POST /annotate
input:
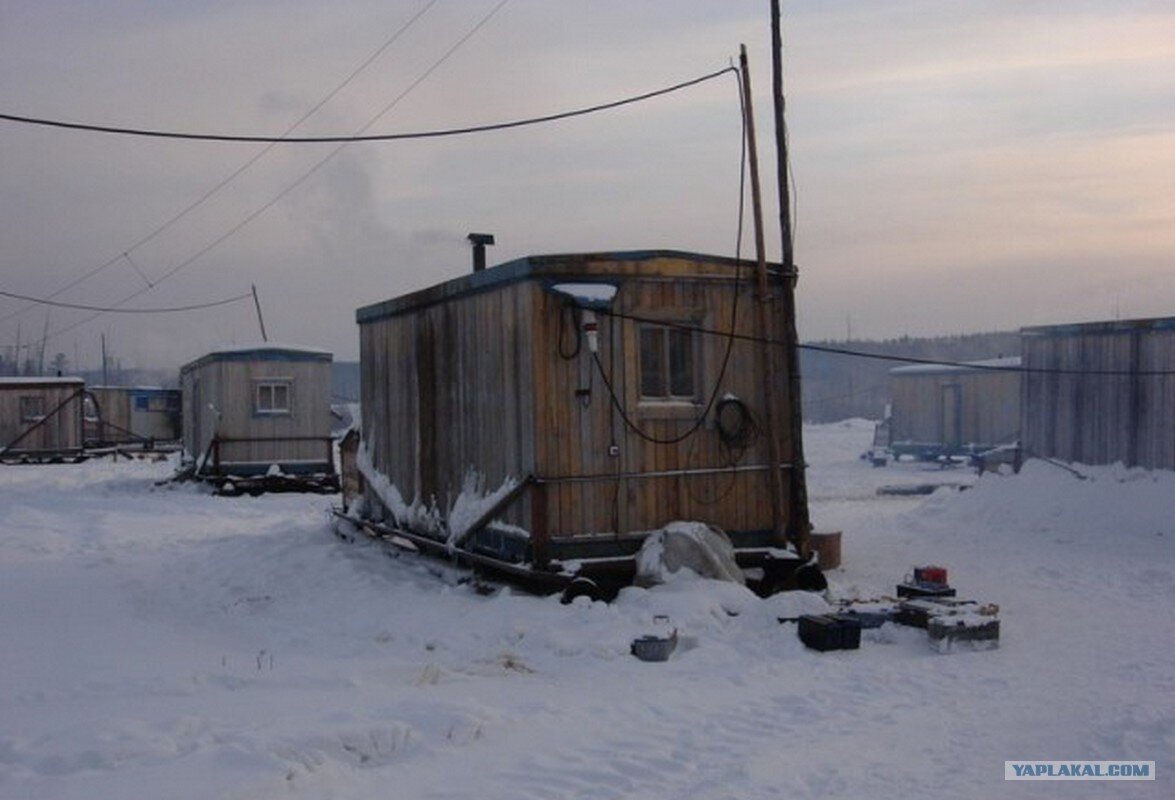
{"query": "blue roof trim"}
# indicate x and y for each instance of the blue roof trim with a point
(523, 269)
(1101, 328)
(260, 354)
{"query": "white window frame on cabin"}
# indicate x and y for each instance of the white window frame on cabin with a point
(32, 408)
(669, 340)
(265, 397)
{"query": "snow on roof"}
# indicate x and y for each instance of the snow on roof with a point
(262, 351)
(620, 265)
(134, 388)
(587, 294)
(262, 346)
(990, 364)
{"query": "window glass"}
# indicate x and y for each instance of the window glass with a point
(273, 397)
(32, 408)
(652, 362)
(681, 363)
(667, 363)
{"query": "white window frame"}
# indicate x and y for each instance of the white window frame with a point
(267, 407)
(665, 331)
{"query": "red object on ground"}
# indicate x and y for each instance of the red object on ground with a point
(930, 575)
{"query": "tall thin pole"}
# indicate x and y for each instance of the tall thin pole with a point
(762, 299)
(799, 522)
(105, 380)
(260, 319)
(44, 341)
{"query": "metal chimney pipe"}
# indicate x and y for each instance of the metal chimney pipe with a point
(479, 242)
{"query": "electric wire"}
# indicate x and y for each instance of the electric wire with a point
(160, 229)
(119, 310)
(701, 419)
(936, 362)
(299, 181)
(374, 137)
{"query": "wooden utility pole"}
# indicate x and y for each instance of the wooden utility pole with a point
(260, 320)
(799, 523)
(762, 320)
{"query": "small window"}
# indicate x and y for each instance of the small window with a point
(668, 363)
(273, 397)
(32, 408)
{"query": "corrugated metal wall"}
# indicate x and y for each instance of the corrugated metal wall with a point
(1074, 414)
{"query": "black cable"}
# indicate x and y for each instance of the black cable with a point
(697, 424)
(568, 310)
(375, 137)
(883, 357)
(236, 173)
(822, 400)
(305, 176)
(115, 310)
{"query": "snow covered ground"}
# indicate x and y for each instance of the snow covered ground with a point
(163, 643)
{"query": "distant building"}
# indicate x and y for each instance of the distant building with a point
(944, 410)
(252, 411)
(132, 415)
(40, 418)
(1102, 392)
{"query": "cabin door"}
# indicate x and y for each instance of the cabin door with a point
(951, 414)
(197, 441)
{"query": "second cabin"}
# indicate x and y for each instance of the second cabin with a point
(258, 412)
(580, 401)
(942, 410)
(120, 415)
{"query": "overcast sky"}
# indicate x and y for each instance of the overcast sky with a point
(959, 166)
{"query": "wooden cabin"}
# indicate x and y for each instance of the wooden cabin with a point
(953, 410)
(580, 401)
(257, 411)
(1074, 414)
(40, 418)
(121, 415)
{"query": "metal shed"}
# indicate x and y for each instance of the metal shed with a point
(951, 410)
(258, 410)
(580, 401)
(40, 418)
(133, 414)
(1101, 392)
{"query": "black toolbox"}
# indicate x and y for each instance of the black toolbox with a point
(825, 632)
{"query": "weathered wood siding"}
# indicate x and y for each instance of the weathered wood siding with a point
(447, 393)
(573, 441)
(1101, 419)
(62, 432)
(955, 406)
(121, 421)
(219, 396)
(475, 382)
